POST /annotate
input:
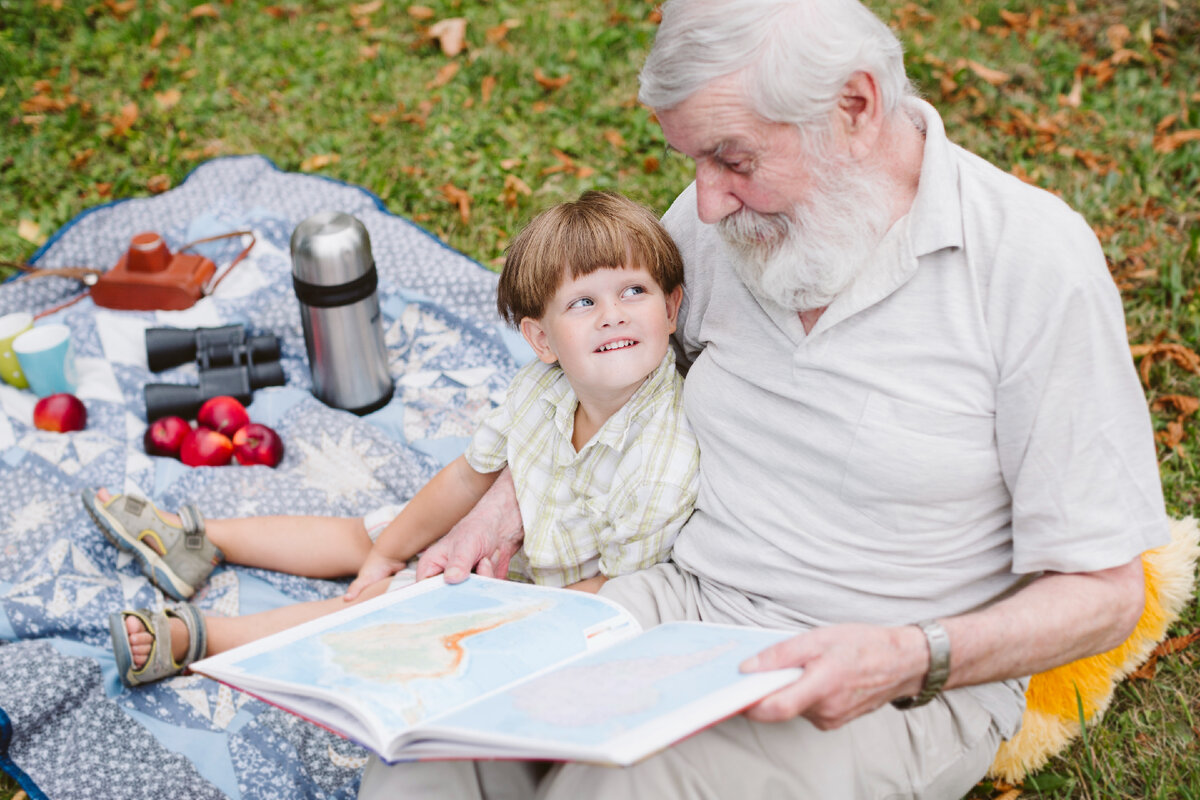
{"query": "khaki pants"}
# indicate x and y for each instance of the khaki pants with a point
(937, 751)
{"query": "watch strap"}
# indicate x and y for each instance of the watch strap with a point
(939, 665)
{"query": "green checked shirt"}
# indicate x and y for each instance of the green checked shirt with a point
(613, 507)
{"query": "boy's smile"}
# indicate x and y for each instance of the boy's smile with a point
(608, 330)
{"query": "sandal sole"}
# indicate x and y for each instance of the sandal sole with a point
(153, 567)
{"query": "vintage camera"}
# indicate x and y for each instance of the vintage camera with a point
(231, 363)
(149, 276)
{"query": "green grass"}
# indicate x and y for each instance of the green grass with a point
(314, 79)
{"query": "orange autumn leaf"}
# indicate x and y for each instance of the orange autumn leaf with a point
(80, 159)
(204, 10)
(313, 163)
(369, 52)
(614, 137)
(1011, 794)
(509, 163)
(120, 10)
(1149, 353)
(497, 33)
(513, 187)
(451, 34)
(486, 87)
(1184, 405)
(124, 120)
(168, 99)
(41, 103)
(420, 12)
(365, 9)
(1172, 142)
(650, 164)
(460, 198)
(993, 76)
(160, 34)
(158, 184)
(444, 75)
(1117, 36)
(1165, 648)
(547, 83)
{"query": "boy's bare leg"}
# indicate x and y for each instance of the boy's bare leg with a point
(225, 633)
(315, 547)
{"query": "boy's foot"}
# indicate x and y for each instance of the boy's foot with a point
(174, 553)
(152, 645)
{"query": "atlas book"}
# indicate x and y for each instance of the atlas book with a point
(498, 669)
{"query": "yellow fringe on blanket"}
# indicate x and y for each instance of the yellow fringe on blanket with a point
(1051, 720)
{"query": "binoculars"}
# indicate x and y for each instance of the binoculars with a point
(230, 362)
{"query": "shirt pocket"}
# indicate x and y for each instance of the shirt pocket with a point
(915, 469)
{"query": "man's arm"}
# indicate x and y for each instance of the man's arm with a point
(484, 540)
(850, 670)
(430, 515)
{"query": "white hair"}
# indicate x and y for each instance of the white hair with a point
(793, 56)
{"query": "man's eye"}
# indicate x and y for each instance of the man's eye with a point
(632, 290)
(582, 302)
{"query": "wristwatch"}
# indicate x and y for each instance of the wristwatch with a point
(939, 665)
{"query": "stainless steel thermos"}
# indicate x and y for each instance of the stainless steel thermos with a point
(335, 280)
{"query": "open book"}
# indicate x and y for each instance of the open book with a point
(495, 669)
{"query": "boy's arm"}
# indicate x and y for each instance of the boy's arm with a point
(591, 584)
(426, 518)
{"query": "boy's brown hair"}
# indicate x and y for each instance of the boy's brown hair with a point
(597, 231)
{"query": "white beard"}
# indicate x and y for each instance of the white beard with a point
(804, 259)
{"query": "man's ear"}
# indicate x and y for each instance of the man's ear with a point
(535, 334)
(673, 301)
(861, 112)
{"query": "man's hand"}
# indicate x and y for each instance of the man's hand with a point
(375, 568)
(849, 670)
(485, 540)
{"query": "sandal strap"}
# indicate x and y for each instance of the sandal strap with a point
(197, 631)
(193, 526)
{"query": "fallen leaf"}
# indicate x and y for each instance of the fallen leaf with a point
(460, 198)
(486, 87)
(420, 12)
(204, 10)
(124, 120)
(550, 84)
(121, 10)
(369, 52)
(513, 187)
(365, 9)
(444, 75)
(30, 231)
(41, 103)
(1076, 96)
(654, 17)
(509, 163)
(993, 76)
(971, 22)
(158, 184)
(1117, 36)
(451, 34)
(497, 33)
(650, 164)
(1011, 794)
(1172, 142)
(160, 35)
(53, 5)
(104, 189)
(168, 99)
(313, 163)
(614, 137)
(80, 159)
(1149, 353)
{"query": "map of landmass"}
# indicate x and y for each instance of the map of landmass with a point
(594, 694)
(399, 652)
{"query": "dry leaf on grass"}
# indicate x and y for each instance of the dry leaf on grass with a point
(486, 87)
(513, 187)
(444, 75)
(460, 198)
(30, 231)
(1172, 142)
(993, 76)
(420, 12)
(168, 99)
(1149, 353)
(124, 120)
(160, 34)
(548, 83)
(158, 184)
(497, 33)
(365, 9)
(204, 10)
(451, 34)
(313, 163)
(1166, 647)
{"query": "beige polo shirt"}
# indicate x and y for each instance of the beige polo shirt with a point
(966, 413)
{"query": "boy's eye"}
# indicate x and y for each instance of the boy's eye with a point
(582, 302)
(633, 290)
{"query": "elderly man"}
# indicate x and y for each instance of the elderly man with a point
(923, 442)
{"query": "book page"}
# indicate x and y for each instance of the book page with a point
(623, 703)
(408, 656)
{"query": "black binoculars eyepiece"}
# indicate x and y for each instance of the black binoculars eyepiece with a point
(230, 362)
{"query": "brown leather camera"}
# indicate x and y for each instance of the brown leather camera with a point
(149, 276)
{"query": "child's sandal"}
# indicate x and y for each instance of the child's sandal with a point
(183, 558)
(160, 664)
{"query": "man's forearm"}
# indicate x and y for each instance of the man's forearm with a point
(1056, 619)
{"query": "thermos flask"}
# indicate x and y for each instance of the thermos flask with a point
(335, 280)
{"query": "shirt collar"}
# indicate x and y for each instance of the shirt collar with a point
(560, 402)
(935, 219)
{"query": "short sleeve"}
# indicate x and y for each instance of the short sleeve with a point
(1073, 431)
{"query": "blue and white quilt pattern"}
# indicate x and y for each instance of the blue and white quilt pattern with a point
(68, 728)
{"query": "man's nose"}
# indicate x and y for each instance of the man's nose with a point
(714, 201)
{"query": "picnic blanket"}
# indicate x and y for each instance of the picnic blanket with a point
(68, 728)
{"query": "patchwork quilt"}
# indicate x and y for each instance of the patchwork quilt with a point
(68, 728)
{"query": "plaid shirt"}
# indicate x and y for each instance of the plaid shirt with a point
(613, 507)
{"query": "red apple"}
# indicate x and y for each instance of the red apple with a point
(60, 412)
(165, 436)
(257, 444)
(224, 414)
(204, 447)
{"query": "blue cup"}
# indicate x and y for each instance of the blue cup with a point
(47, 359)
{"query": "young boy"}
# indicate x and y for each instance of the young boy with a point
(603, 461)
